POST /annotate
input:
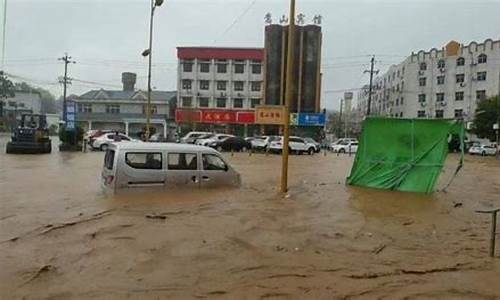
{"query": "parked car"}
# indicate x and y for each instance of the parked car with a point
(165, 165)
(317, 146)
(346, 147)
(341, 140)
(483, 150)
(234, 143)
(263, 142)
(208, 139)
(91, 135)
(191, 137)
(104, 141)
(295, 144)
(157, 138)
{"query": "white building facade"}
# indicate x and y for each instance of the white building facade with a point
(219, 78)
(441, 83)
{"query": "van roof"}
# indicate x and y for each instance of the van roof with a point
(160, 146)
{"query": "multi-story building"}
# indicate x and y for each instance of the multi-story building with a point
(23, 102)
(124, 110)
(440, 83)
(218, 86)
(306, 89)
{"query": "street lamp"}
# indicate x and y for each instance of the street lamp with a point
(148, 52)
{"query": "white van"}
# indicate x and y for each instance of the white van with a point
(129, 165)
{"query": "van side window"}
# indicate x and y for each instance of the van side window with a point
(212, 162)
(149, 160)
(182, 161)
(109, 159)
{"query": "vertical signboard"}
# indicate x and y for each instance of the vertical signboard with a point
(270, 114)
(70, 115)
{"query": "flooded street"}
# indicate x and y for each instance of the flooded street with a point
(62, 237)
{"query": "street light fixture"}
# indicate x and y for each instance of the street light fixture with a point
(148, 52)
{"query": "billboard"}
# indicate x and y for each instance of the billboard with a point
(214, 116)
(270, 114)
(70, 115)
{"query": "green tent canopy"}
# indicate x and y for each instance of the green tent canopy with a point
(403, 154)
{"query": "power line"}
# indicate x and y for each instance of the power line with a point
(237, 19)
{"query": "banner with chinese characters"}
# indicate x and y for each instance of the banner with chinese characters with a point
(270, 114)
(70, 115)
(214, 116)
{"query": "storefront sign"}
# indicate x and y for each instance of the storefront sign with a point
(70, 115)
(214, 116)
(305, 119)
(270, 114)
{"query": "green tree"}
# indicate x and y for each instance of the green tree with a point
(487, 114)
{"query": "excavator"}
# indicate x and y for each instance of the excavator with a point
(31, 136)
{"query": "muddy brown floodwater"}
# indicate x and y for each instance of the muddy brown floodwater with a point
(61, 237)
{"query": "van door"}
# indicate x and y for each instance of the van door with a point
(183, 169)
(215, 172)
(143, 169)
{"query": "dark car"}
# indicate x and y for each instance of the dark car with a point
(231, 144)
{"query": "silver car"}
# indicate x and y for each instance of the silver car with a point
(165, 165)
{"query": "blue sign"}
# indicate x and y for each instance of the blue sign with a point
(305, 119)
(70, 115)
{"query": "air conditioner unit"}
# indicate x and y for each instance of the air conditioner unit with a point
(462, 84)
(421, 73)
(423, 104)
(198, 94)
(442, 70)
(443, 103)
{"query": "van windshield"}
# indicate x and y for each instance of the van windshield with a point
(109, 159)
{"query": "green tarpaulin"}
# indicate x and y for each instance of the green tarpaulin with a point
(403, 154)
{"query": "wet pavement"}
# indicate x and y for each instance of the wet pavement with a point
(62, 237)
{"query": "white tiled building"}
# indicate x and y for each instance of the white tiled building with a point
(441, 83)
(219, 78)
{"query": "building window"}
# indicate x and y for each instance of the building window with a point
(112, 108)
(421, 98)
(440, 97)
(187, 66)
(441, 64)
(204, 67)
(480, 95)
(439, 113)
(187, 101)
(459, 113)
(421, 114)
(254, 102)
(256, 68)
(154, 109)
(203, 101)
(460, 61)
(221, 68)
(238, 102)
(397, 101)
(423, 66)
(221, 85)
(401, 114)
(422, 81)
(221, 103)
(204, 84)
(460, 78)
(256, 86)
(149, 161)
(481, 76)
(440, 79)
(238, 86)
(182, 161)
(84, 108)
(482, 59)
(459, 96)
(239, 68)
(401, 101)
(186, 84)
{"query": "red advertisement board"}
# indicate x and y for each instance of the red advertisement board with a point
(214, 116)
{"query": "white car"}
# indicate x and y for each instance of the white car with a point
(296, 145)
(191, 137)
(207, 140)
(102, 143)
(346, 147)
(263, 142)
(483, 150)
(339, 141)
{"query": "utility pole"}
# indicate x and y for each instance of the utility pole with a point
(371, 71)
(65, 81)
(340, 118)
(4, 32)
(288, 96)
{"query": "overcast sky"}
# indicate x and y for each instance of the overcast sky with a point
(106, 37)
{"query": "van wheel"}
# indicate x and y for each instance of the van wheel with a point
(219, 148)
(103, 147)
(311, 151)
